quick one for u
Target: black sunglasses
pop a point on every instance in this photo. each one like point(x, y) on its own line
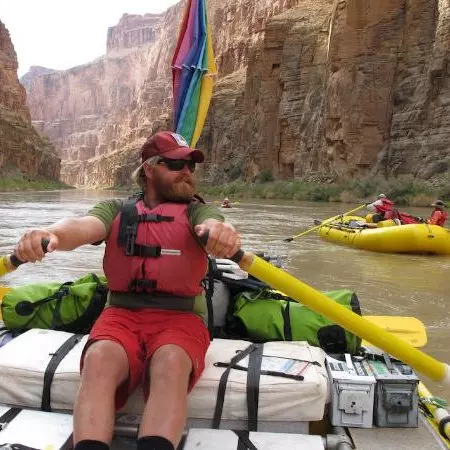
point(178, 164)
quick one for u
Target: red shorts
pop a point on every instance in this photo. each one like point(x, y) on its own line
point(141, 332)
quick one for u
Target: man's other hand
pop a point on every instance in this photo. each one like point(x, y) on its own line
point(223, 240)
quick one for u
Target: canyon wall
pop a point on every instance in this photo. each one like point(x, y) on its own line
point(306, 89)
point(21, 147)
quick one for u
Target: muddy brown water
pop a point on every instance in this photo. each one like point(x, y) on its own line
point(386, 284)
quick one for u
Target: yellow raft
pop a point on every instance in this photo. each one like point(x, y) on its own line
point(414, 238)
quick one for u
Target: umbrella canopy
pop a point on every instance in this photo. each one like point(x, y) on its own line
point(192, 68)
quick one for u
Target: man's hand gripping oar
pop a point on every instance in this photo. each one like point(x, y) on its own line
point(8, 263)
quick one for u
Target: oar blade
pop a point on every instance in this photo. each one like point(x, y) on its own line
point(409, 329)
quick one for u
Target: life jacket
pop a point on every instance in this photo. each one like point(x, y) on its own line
point(386, 205)
point(136, 257)
point(438, 217)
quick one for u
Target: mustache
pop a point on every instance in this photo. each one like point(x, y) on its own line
point(184, 178)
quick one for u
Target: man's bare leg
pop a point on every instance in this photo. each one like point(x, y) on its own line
point(105, 368)
point(166, 408)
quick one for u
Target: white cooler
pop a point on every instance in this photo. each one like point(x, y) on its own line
point(284, 404)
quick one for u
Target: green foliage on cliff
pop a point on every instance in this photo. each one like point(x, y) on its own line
point(14, 180)
point(403, 190)
point(28, 161)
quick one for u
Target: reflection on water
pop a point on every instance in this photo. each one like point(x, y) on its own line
point(386, 284)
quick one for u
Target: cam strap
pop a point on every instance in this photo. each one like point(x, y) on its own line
point(287, 329)
point(8, 416)
point(218, 410)
point(50, 370)
point(244, 442)
point(208, 284)
point(253, 377)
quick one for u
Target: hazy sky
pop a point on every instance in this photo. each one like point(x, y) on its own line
point(60, 34)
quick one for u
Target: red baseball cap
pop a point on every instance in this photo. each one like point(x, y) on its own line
point(171, 146)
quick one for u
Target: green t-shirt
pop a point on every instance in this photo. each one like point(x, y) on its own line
point(107, 211)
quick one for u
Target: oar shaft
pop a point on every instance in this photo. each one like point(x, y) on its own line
point(321, 304)
point(440, 415)
point(331, 219)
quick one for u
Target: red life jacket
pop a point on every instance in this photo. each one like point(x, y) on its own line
point(386, 205)
point(438, 217)
point(133, 261)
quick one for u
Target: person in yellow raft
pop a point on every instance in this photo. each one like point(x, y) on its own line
point(152, 331)
point(439, 215)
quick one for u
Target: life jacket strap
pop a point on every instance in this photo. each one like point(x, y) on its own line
point(138, 284)
point(143, 251)
point(158, 300)
point(154, 218)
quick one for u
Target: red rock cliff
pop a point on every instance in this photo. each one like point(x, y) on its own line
point(20, 145)
point(316, 89)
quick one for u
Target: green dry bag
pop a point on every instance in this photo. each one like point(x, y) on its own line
point(73, 306)
point(267, 315)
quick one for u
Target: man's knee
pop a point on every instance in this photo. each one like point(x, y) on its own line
point(170, 362)
point(106, 360)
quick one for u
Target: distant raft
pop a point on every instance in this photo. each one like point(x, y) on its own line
point(415, 238)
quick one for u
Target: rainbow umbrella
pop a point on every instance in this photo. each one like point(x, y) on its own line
point(192, 68)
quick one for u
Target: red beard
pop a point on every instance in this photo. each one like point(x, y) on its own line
point(181, 190)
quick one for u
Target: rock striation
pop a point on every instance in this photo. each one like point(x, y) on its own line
point(133, 31)
point(21, 147)
point(310, 89)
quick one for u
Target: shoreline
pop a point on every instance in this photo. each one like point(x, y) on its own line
point(404, 190)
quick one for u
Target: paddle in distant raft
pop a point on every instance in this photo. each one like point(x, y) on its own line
point(331, 219)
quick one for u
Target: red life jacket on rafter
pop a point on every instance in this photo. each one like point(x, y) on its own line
point(438, 217)
point(133, 261)
point(386, 205)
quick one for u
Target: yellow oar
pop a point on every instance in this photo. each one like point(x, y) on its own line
point(439, 413)
point(3, 291)
point(320, 303)
point(331, 219)
point(12, 262)
point(7, 264)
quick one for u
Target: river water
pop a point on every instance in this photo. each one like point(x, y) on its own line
point(386, 284)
